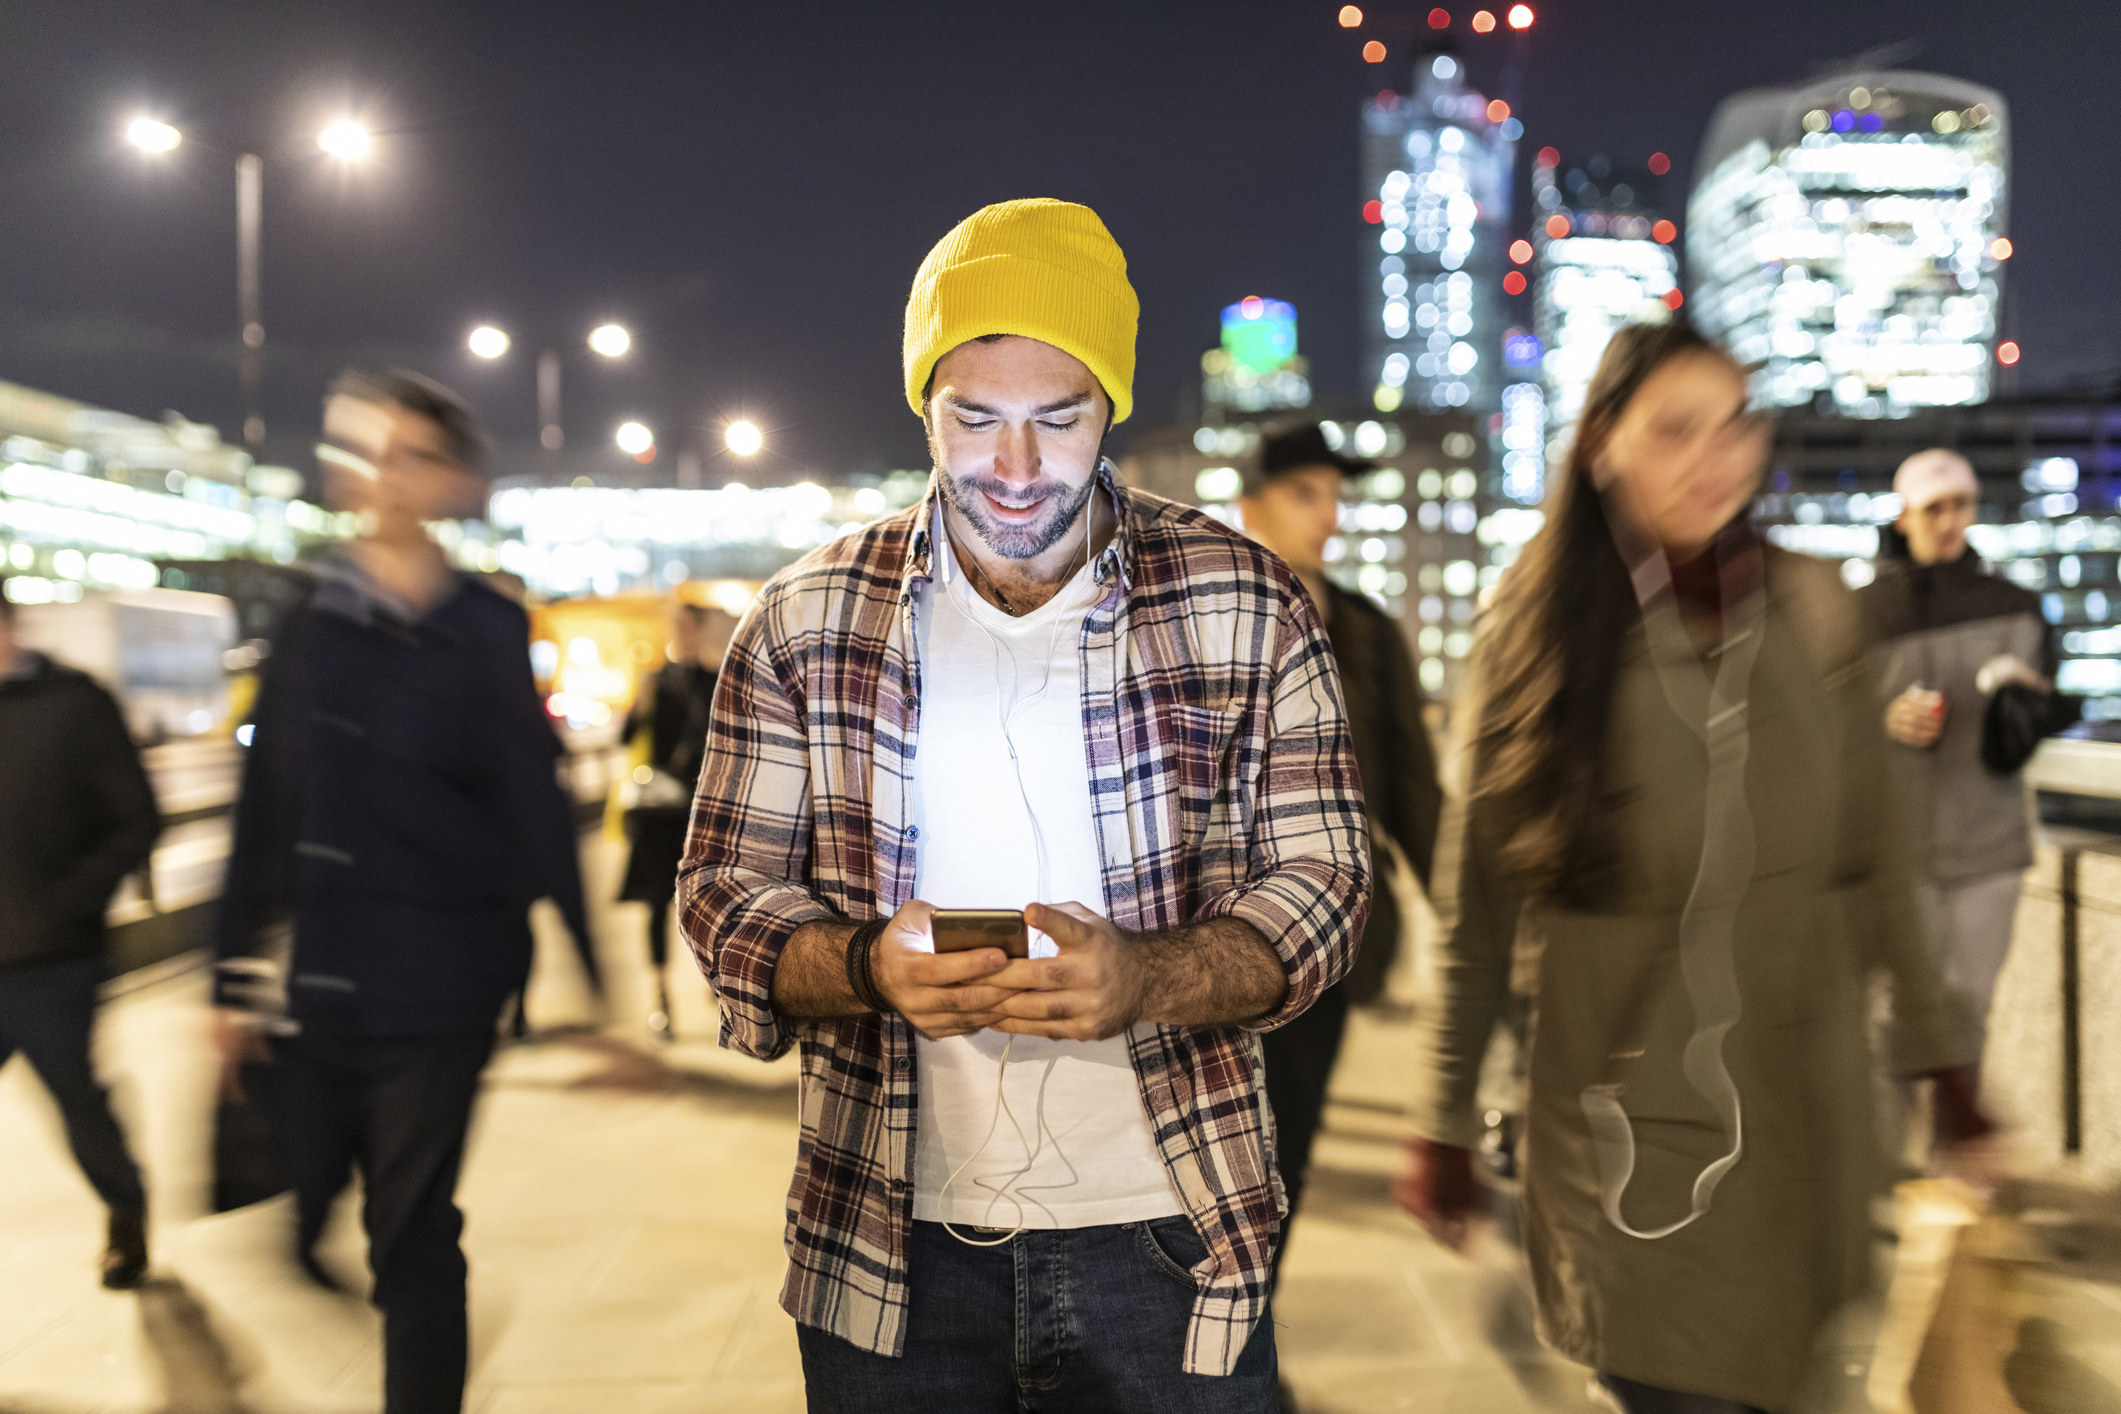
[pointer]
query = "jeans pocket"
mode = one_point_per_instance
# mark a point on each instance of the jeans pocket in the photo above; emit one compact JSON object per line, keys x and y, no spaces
{"x":1169,"y":1243}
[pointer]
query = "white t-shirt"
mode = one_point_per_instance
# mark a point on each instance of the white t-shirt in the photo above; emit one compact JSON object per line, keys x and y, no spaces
{"x":1080,"y":1152}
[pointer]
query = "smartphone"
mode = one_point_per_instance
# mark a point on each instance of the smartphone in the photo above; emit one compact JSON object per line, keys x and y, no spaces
{"x":963,"y":929}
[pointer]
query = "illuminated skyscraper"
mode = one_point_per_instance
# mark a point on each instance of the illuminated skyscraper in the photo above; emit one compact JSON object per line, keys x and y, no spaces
{"x":1255,"y":368}
{"x":1847,"y":236}
{"x":1601,"y":258}
{"x":1436,"y":187}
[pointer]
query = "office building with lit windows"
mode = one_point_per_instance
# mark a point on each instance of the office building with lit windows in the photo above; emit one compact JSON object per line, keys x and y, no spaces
{"x":1848,"y":237}
{"x":1436,"y":168}
{"x":1601,"y":257}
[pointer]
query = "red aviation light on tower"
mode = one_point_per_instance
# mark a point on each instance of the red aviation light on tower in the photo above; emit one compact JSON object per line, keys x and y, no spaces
{"x":1350,"y":17}
{"x":1660,"y":164}
{"x":1673,"y":299}
{"x":1557,"y":226}
{"x":1664,"y":233}
{"x":1373,"y":52}
{"x":2007,"y":352}
{"x":1373,"y":211}
{"x":1513,"y":283}
{"x":1548,"y":158}
{"x":1520,"y":17}
{"x":1439,"y":19}
{"x":1483,"y":21}
{"x":1497,"y":110}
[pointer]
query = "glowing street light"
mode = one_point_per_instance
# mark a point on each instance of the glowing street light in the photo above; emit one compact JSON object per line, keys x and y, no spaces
{"x":488,"y":342}
{"x":634,"y":438}
{"x":1520,"y":17}
{"x":151,"y":136}
{"x":744,"y":438}
{"x":346,"y":141}
{"x":610,"y":340}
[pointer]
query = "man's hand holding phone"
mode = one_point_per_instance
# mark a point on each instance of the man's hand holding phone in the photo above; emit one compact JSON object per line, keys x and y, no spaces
{"x":942,"y":993}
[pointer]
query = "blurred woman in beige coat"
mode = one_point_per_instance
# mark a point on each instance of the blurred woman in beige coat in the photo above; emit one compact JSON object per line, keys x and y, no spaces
{"x":1674,"y":828}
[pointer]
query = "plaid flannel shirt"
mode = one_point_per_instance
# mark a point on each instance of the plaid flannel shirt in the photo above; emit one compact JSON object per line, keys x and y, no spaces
{"x":1223,"y":784}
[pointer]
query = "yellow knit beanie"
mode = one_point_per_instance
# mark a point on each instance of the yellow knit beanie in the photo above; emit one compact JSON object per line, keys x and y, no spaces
{"x":1045,"y":269}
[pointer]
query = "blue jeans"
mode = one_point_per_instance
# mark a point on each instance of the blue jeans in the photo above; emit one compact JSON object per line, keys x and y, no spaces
{"x":1088,"y":1319}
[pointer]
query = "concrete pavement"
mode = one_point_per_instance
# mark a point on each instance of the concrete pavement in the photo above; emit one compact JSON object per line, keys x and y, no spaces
{"x":624,"y":1217}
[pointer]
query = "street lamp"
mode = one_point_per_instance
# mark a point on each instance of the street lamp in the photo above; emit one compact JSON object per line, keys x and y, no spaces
{"x":347,"y":141}
{"x":488,"y":342}
{"x":149,"y":135}
{"x":634,"y":438}
{"x":743,"y":437}
{"x":609,"y":340}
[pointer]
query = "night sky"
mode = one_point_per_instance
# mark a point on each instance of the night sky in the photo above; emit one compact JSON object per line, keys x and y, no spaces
{"x":749,"y":188}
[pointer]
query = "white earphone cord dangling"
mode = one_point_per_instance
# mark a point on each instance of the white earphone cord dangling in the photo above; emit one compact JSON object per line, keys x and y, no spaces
{"x":1006,"y":1188}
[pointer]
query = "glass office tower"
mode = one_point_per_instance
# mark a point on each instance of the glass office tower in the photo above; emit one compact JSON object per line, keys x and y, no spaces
{"x":1847,"y":236}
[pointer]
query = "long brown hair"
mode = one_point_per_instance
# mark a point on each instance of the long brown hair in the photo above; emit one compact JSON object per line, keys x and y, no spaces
{"x":1550,"y":653}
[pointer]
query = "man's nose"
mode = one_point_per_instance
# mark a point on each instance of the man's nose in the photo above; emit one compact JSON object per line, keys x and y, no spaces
{"x":1016,"y":453}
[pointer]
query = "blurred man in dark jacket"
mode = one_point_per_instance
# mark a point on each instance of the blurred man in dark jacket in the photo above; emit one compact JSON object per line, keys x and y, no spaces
{"x":400,"y":808}
{"x":1969,"y":668}
{"x":1291,"y":504}
{"x":76,"y":816}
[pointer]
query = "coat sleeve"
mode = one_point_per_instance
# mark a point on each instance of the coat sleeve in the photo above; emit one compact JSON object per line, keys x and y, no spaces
{"x":1308,"y":880}
{"x":118,"y":799}
{"x":528,"y":768}
{"x":1477,"y":920}
{"x":258,"y":890}
{"x":1414,"y":792}
{"x":749,"y":838}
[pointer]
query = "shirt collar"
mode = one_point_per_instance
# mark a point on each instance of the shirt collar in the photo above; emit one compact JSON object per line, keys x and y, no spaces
{"x":1117,"y":557}
{"x":346,"y":589}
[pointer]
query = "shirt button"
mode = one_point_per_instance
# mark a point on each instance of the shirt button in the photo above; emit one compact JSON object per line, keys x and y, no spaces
{"x":914,"y":833}
{"x":902,"y":1063}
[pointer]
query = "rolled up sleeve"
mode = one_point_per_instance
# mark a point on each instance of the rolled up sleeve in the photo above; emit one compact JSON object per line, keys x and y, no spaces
{"x":1308,"y":877}
{"x":749,"y":840}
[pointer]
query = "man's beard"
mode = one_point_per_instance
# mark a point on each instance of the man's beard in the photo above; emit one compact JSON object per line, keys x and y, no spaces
{"x":1018,"y":542}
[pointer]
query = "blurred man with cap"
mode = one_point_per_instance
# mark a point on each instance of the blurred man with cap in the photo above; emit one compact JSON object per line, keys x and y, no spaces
{"x":400,"y":810}
{"x":1047,"y":1178}
{"x":1291,"y":505}
{"x":1969,"y":668}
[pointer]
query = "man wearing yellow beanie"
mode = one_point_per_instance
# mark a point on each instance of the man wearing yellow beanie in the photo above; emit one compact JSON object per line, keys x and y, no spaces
{"x":1039,"y":1168}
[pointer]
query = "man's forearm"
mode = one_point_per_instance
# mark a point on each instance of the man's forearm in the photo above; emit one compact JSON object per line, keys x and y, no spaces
{"x":1217,"y":973}
{"x":810,"y":979}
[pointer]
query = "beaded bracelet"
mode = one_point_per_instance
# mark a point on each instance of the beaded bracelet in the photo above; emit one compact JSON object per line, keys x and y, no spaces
{"x":860,"y":979}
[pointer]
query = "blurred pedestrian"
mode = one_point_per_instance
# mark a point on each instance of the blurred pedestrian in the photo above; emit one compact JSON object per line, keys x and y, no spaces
{"x":1291,"y":505}
{"x":1039,"y":1178}
{"x":400,"y":808}
{"x":1969,"y":668}
{"x":76,"y":816}
{"x":671,"y":713}
{"x":1677,"y":817}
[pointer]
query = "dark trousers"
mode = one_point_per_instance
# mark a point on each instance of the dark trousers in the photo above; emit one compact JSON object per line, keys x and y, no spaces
{"x":398,"y":1107}
{"x":659,"y":933}
{"x":1300,"y":1059}
{"x":46,"y":1013}
{"x":1088,"y":1320}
